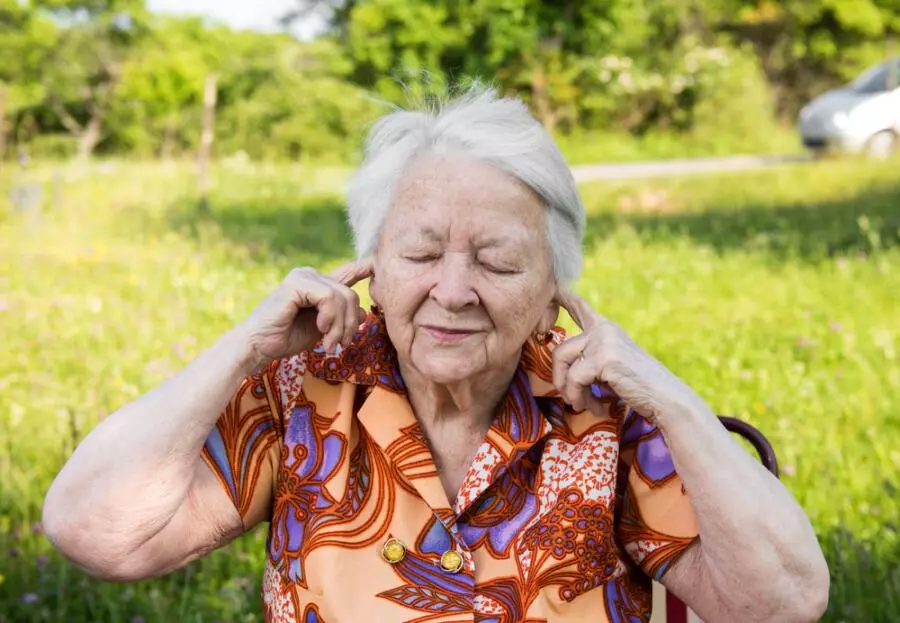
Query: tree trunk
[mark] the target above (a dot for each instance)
(168, 142)
(89, 135)
(206, 141)
(89, 138)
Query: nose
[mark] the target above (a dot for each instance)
(454, 289)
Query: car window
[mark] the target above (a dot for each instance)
(878, 79)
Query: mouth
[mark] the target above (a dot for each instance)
(448, 335)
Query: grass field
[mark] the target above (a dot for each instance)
(593, 147)
(775, 294)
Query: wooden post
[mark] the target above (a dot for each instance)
(206, 141)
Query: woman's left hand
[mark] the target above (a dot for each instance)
(604, 354)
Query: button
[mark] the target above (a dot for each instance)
(393, 551)
(451, 561)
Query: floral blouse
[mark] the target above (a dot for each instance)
(563, 516)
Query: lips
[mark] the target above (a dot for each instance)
(448, 334)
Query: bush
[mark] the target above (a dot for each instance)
(52, 146)
(697, 100)
(735, 107)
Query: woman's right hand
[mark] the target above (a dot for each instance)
(304, 308)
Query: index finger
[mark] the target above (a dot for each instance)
(585, 316)
(352, 272)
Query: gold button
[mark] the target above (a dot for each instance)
(393, 551)
(451, 561)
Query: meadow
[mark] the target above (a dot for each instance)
(774, 293)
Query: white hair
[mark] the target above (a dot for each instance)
(481, 125)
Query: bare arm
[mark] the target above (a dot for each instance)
(136, 499)
(757, 558)
(130, 479)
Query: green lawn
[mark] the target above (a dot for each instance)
(775, 294)
(592, 147)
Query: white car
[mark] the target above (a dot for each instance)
(862, 117)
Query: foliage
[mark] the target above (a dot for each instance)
(288, 100)
(118, 283)
(26, 37)
(84, 64)
(107, 76)
(158, 101)
(807, 46)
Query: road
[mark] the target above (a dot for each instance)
(668, 168)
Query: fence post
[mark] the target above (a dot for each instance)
(206, 141)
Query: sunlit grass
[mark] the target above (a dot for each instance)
(591, 147)
(774, 294)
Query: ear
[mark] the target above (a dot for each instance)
(374, 290)
(548, 317)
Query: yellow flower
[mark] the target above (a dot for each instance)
(760, 407)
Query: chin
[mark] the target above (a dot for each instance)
(446, 370)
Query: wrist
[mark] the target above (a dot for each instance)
(237, 347)
(684, 409)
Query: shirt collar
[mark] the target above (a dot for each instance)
(520, 422)
(371, 360)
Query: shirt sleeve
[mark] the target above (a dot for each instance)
(655, 522)
(243, 450)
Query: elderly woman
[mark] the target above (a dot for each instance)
(452, 455)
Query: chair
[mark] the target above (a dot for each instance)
(675, 610)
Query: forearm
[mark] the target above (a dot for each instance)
(757, 544)
(131, 473)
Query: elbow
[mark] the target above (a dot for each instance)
(805, 578)
(815, 591)
(798, 595)
(80, 548)
(60, 525)
(811, 610)
(78, 540)
(72, 541)
(808, 599)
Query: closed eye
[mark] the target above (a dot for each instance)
(499, 270)
(422, 258)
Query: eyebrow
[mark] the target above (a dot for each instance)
(432, 235)
(496, 241)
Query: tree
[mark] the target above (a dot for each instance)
(82, 72)
(529, 45)
(157, 102)
(282, 98)
(25, 38)
(103, 75)
(547, 52)
(807, 46)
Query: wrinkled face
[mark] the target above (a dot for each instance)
(462, 269)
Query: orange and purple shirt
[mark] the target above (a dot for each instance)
(562, 516)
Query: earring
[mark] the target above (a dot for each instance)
(543, 337)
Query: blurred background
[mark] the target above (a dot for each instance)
(164, 164)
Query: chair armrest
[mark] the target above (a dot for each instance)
(756, 439)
